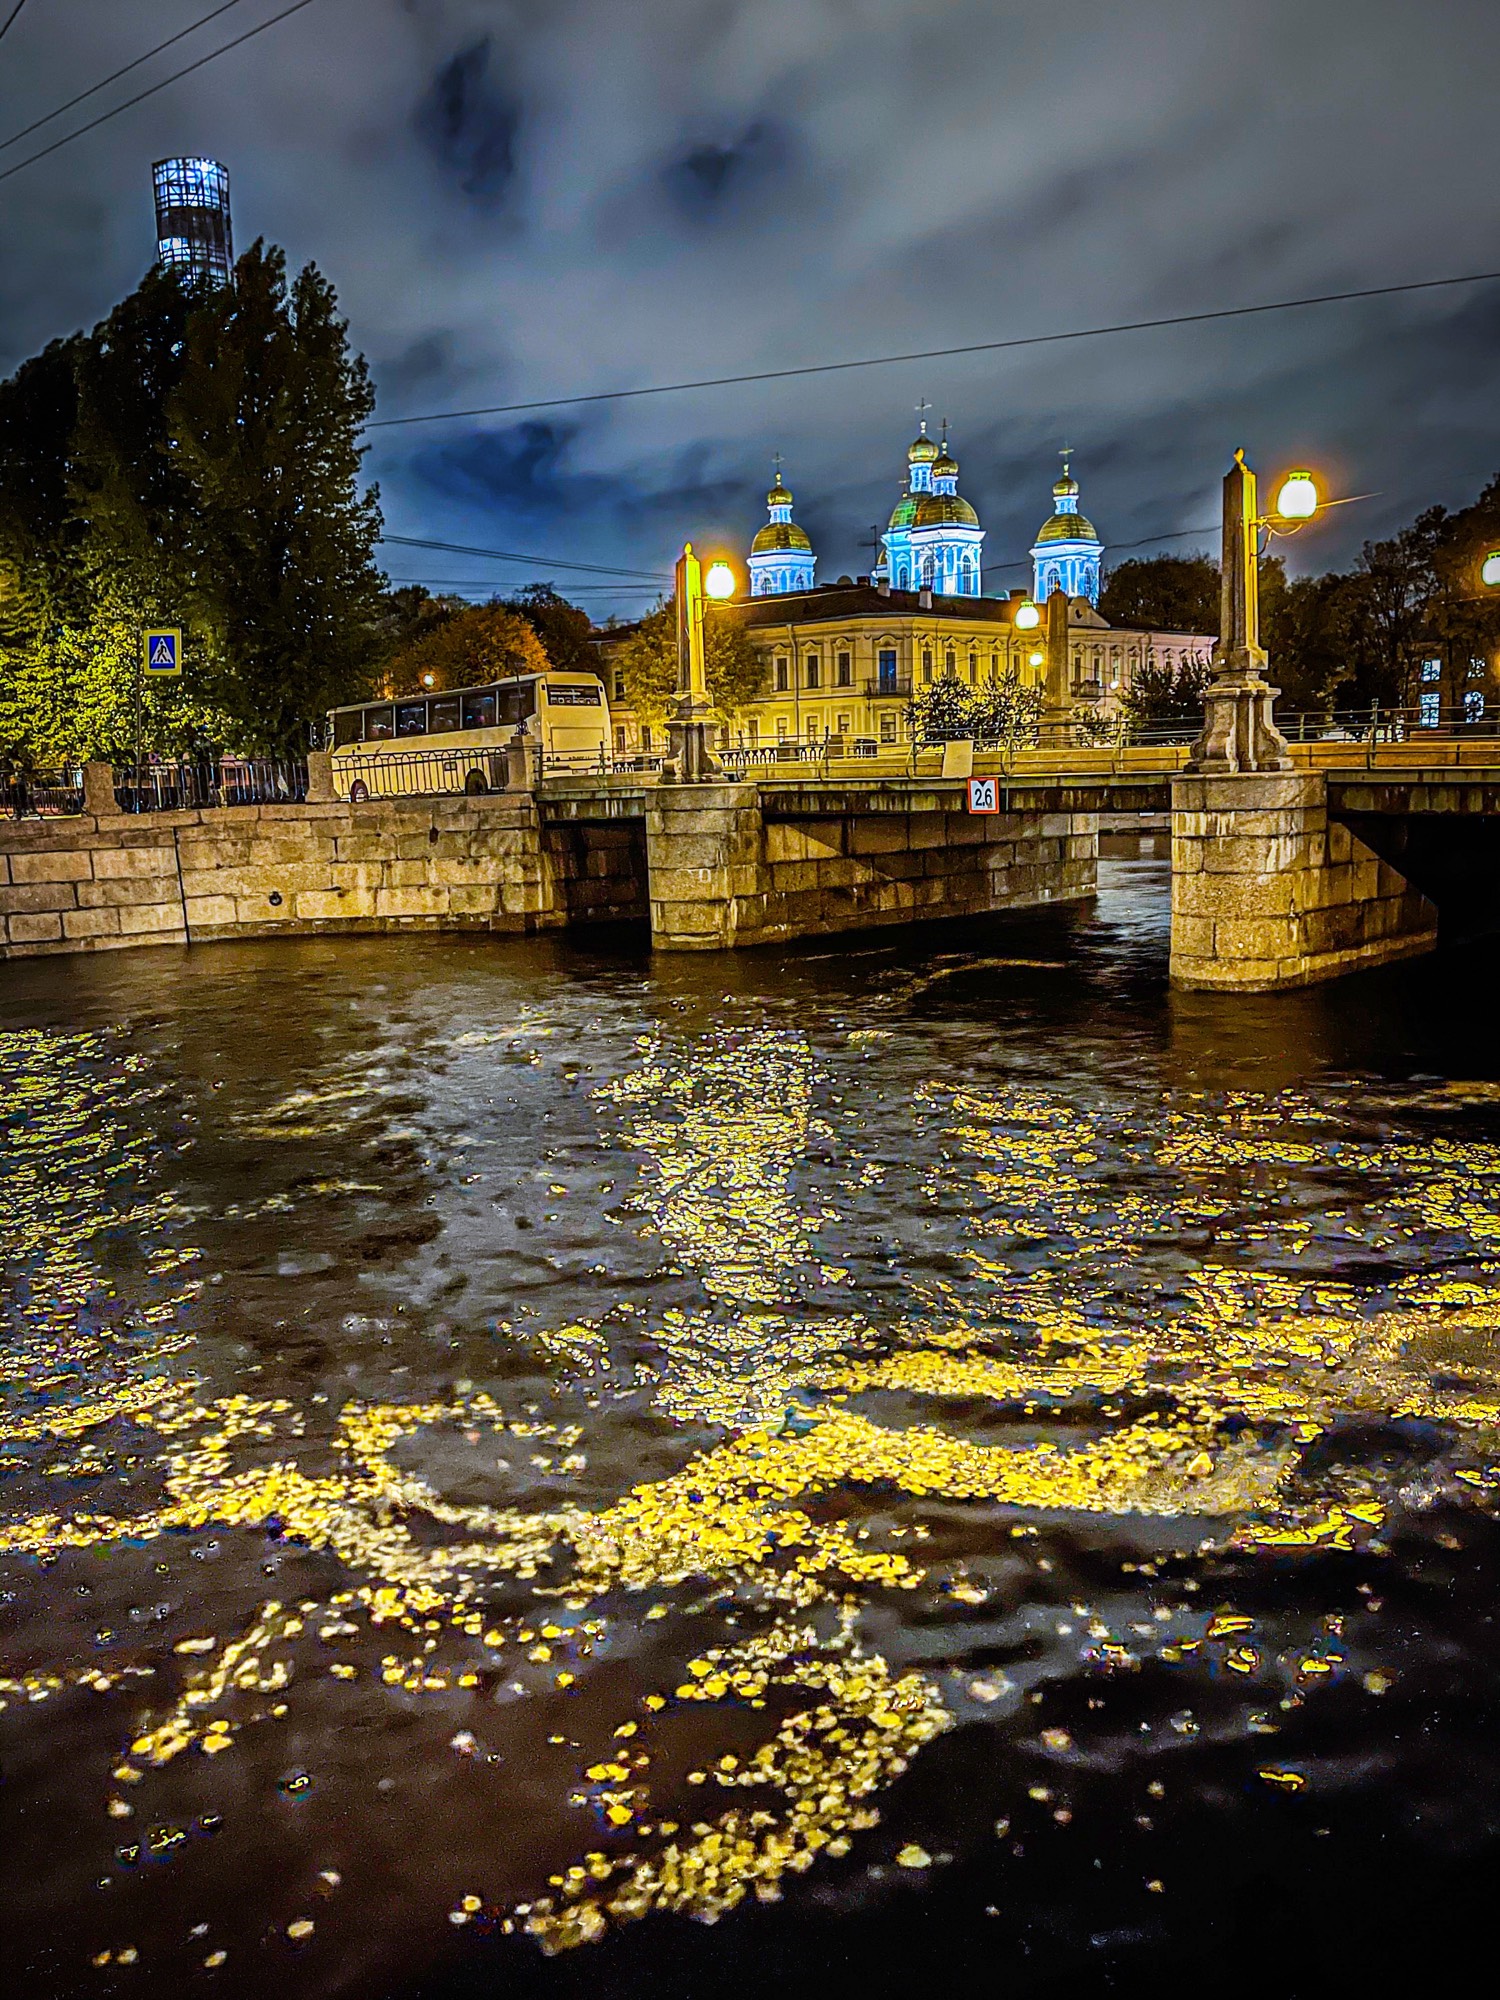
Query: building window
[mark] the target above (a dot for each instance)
(887, 728)
(845, 670)
(973, 670)
(781, 677)
(926, 665)
(645, 735)
(781, 729)
(619, 694)
(813, 670)
(885, 667)
(843, 725)
(1432, 670)
(1429, 708)
(950, 664)
(754, 728)
(1474, 704)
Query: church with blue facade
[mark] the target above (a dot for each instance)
(934, 540)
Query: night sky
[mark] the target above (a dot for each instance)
(556, 196)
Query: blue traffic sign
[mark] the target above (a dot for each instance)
(161, 650)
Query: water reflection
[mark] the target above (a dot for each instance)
(504, 1440)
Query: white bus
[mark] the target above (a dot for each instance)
(456, 741)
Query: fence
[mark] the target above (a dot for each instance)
(223, 781)
(40, 794)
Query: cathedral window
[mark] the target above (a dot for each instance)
(814, 671)
(845, 670)
(781, 677)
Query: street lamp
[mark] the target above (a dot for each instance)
(1298, 498)
(719, 582)
(1028, 617)
(1489, 570)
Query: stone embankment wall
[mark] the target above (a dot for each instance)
(1268, 892)
(103, 881)
(742, 864)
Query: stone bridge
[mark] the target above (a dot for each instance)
(1277, 880)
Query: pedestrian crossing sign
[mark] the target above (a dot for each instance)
(161, 650)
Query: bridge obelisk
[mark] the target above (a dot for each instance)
(1239, 733)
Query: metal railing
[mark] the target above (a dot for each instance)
(40, 794)
(210, 781)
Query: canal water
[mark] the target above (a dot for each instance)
(531, 1468)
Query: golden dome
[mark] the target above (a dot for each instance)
(945, 467)
(1069, 527)
(779, 496)
(923, 450)
(779, 535)
(942, 510)
(904, 512)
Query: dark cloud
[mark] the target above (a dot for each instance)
(469, 124)
(713, 176)
(518, 198)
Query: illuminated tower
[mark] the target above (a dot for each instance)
(193, 234)
(781, 556)
(934, 539)
(1068, 550)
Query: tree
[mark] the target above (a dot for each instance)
(483, 642)
(565, 630)
(1008, 709)
(277, 537)
(1163, 594)
(1160, 695)
(944, 711)
(647, 662)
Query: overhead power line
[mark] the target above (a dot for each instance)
(10, 19)
(151, 89)
(511, 555)
(937, 353)
(114, 77)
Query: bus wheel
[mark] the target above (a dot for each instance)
(474, 784)
(359, 791)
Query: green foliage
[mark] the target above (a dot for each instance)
(1002, 709)
(564, 629)
(1161, 695)
(193, 461)
(1163, 594)
(483, 642)
(647, 660)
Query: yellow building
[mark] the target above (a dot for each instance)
(845, 659)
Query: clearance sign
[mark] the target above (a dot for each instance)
(984, 795)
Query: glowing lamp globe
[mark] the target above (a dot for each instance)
(1298, 498)
(719, 581)
(1027, 617)
(1489, 570)
(1037, 658)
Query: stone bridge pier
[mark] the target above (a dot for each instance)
(1270, 889)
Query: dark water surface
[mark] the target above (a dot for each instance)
(531, 1469)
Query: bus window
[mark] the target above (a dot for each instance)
(479, 711)
(348, 727)
(380, 724)
(517, 703)
(442, 716)
(411, 718)
(559, 695)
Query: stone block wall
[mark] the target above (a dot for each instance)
(105, 881)
(1268, 892)
(750, 866)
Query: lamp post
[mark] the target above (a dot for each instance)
(690, 727)
(1239, 732)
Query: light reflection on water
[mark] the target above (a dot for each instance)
(507, 1440)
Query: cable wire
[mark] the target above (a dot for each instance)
(10, 19)
(510, 555)
(151, 89)
(938, 353)
(104, 82)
